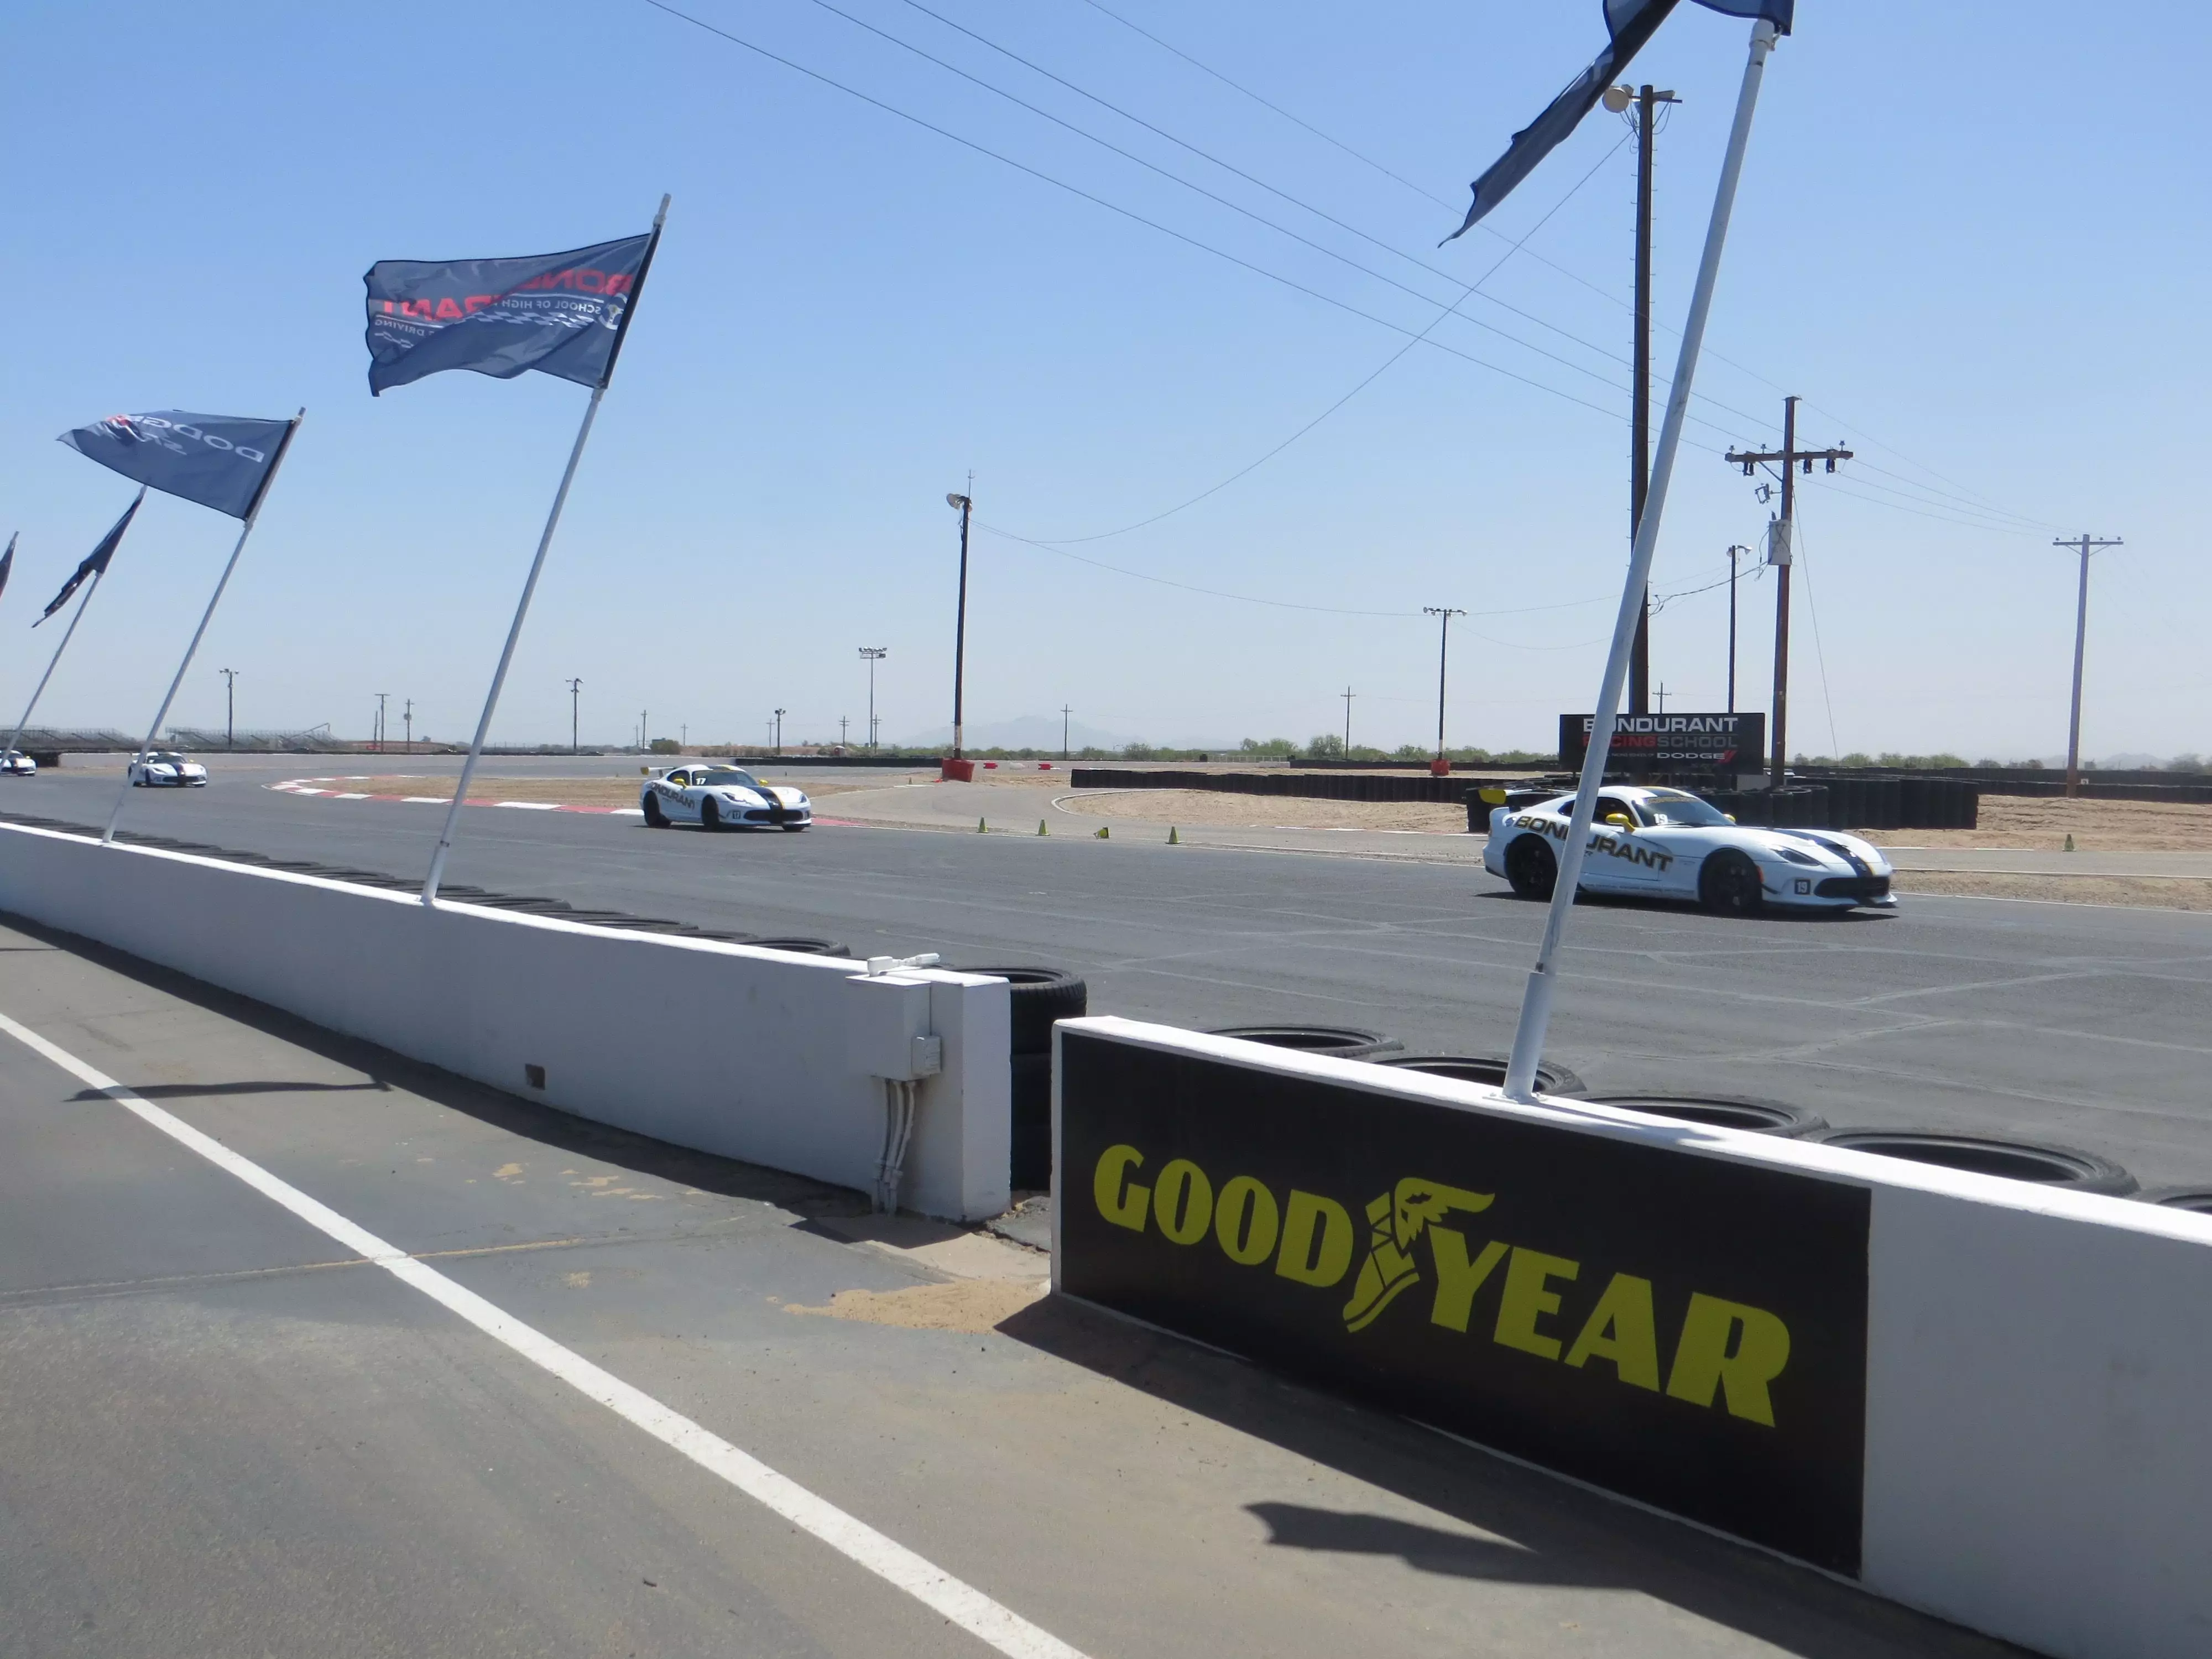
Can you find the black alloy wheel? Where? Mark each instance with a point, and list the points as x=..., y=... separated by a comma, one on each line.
x=654, y=818
x=1530, y=868
x=1729, y=884
x=710, y=814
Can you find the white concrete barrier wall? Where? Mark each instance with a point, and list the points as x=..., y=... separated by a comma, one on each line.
x=2039, y=1428
x=723, y=1048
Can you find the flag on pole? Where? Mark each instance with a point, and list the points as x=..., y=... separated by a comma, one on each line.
x=560, y=314
x=8, y=561
x=94, y=562
x=220, y=461
x=1629, y=24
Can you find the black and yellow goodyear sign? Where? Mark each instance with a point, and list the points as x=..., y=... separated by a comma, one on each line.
x=1679, y=1328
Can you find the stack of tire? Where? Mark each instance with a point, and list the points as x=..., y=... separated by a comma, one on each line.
x=1037, y=997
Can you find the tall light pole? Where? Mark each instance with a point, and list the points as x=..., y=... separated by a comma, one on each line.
x=967, y=507
x=642, y=722
x=575, y=688
x=873, y=654
x=1444, y=614
x=229, y=707
x=779, y=731
x=1347, y=722
x=381, y=697
x=1065, y=711
x=2084, y=545
x=407, y=719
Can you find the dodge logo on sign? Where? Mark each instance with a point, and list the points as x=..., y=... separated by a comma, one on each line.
x=1680, y=1328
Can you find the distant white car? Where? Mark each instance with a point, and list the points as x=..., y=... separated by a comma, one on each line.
x=165, y=768
x=723, y=798
x=17, y=764
x=1664, y=843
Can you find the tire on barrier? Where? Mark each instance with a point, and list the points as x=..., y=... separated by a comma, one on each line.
x=804, y=947
x=1036, y=997
x=1029, y=1165
x=1550, y=1079
x=1745, y=1112
x=2017, y=1160
x=2196, y=1199
x=1337, y=1041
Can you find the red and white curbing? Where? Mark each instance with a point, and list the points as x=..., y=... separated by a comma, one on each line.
x=322, y=786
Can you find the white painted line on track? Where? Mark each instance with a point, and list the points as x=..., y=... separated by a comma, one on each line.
x=958, y=1602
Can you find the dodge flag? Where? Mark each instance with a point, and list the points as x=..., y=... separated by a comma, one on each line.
x=1629, y=23
x=220, y=461
x=94, y=561
x=560, y=314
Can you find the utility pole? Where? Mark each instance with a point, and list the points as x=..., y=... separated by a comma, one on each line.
x=229, y=707
x=380, y=697
x=2084, y=545
x=1444, y=614
x=642, y=724
x=683, y=735
x=842, y=724
x=1347, y=722
x=1659, y=692
x=575, y=689
x=873, y=654
x=1065, y=711
x=1780, y=537
x=407, y=719
x=967, y=506
x=1732, y=553
x=1646, y=101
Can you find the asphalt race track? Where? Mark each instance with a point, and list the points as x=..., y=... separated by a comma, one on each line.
x=2075, y=1023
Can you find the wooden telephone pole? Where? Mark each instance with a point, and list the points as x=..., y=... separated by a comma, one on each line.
x=1647, y=102
x=1779, y=554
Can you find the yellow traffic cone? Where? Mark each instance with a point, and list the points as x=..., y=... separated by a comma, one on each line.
x=1173, y=839
x=979, y=827
x=1042, y=830
x=1100, y=832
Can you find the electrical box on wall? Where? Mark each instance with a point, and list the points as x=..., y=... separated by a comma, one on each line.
x=887, y=1032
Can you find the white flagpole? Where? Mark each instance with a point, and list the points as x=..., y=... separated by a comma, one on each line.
x=1543, y=981
x=252, y=515
x=68, y=634
x=507, y=655
x=529, y=586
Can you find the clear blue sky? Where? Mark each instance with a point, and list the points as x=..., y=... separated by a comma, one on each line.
x=1973, y=239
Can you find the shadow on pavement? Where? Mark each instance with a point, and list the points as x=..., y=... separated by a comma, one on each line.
x=1540, y=1530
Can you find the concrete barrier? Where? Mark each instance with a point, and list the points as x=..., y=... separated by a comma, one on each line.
x=729, y=1048
x=1974, y=1396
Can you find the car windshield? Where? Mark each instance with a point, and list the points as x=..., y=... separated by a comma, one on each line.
x=167, y=760
x=728, y=778
x=1683, y=812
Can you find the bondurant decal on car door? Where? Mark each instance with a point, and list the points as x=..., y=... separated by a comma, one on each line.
x=1681, y=1328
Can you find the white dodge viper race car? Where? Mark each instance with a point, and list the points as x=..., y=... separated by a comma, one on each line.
x=165, y=768
x=1664, y=843
x=723, y=798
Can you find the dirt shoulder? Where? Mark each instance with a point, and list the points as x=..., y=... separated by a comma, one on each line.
x=1224, y=810
x=2044, y=821
x=2139, y=892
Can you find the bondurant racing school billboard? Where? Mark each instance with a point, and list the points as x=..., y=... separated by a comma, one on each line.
x=1683, y=1329
x=1657, y=742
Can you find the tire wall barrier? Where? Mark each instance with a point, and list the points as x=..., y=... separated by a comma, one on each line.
x=1977, y=1397
x=726, y=1049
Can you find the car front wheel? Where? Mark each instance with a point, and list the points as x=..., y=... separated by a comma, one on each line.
x=1531, y=868
x=1729, y=884
x=710, y=814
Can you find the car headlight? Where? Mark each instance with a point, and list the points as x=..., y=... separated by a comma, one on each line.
x=1796, y=857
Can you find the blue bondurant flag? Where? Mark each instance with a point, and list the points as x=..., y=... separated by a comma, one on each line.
x=1629, y=23
x=94, y=561
x=560, y=314
x=220, y=461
